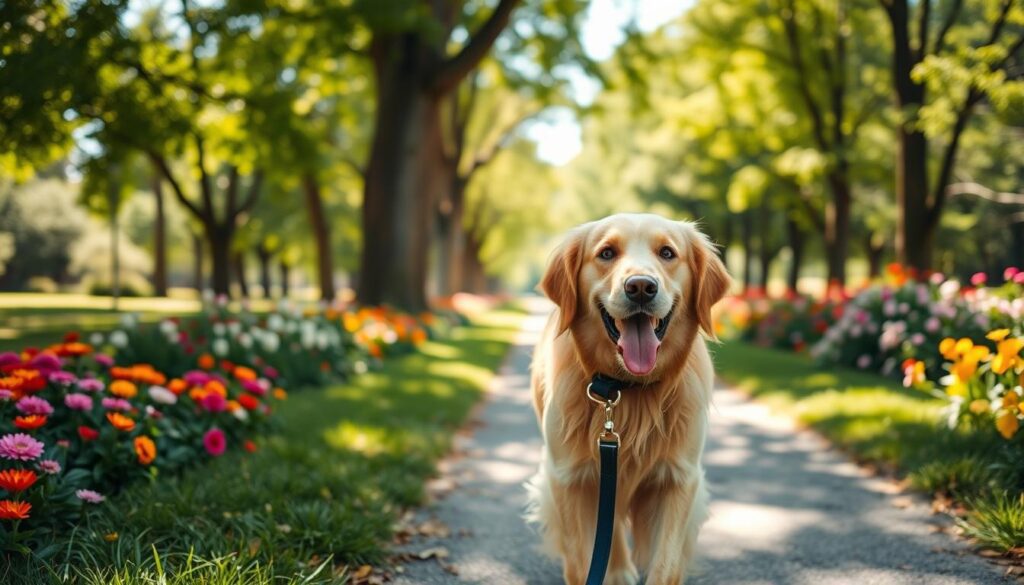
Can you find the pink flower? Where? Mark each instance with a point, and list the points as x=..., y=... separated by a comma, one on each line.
x=78, y=401
x=254, y=387
x=196, y=378
x=1010, y=272
x=49, y=466
x=63, y=378
x=270, y=372
x=20, y=447
x=214, y=402
x=9, y=358
x=91, y=385
x=34, y=405
x=979, y=279
x=103, y=359
x=932, y=325
x=6, y=394
x=215, y=442
x=1019, y=278
x=45, y=362
x=116, y=404
x=89, y=496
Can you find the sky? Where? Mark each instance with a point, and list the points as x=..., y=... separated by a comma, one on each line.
x=558, y=135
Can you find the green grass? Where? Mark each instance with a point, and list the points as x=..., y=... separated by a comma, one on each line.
x=901, y=430
x=327, y=487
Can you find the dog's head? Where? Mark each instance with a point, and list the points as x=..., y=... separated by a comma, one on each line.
x=634, y=289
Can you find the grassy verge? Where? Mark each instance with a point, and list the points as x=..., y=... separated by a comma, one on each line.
x=319, y=495
x=879, y=422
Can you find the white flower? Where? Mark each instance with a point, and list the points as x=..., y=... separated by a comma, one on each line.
x=207, y=295
x=323, y=341
x=219, y=330
x=245, y=340
x=162, y=395
x=96, y=339
x=270, y=341
x=359, y=367
x=129, y=320
x=119, y=339
x=234, y=327
x=889, y=308
x=220, y=346
x=948, y=289
x=168, y=328
x=240, y=414
x=275, y=322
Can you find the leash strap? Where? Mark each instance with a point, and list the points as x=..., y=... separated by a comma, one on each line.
x=605, y=512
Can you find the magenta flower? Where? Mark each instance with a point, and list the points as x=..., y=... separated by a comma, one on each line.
x=103, y=359
x=270, y=372
x=78, y=401
x=215, y=442
x=214, y=402
x=254, y=387
x=34, y=405
x=45, y=362
x=91, y=385
x=116, y=404
x=9, y=358
x=196, y=378
x=49, y=466
x=63, y=378
x=89, y=496
x=978, y=279
x=20, y=447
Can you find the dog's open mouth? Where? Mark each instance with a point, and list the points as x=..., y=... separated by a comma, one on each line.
x=637, y=338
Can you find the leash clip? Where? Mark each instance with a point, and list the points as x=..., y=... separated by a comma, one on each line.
x=608, y=434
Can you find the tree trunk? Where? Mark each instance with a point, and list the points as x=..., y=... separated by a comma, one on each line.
x=874, y=248
x=1017, y=247
x=405, y=166
x=473, y=273
x=197, y=263
x=746, y=235
x=264, y=258
x=321, y=235
x=837, y=228
x=453, y=239
x=114, y=204
x=285, y=277
x=219, y=239
x=159, y=239
x=238, y=260
x=797, y=239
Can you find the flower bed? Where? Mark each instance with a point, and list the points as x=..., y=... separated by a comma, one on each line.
x=795, y=322
x=75, y=427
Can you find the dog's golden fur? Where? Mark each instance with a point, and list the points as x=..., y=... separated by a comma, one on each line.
x=661, y=500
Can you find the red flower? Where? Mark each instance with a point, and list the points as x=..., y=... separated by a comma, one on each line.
x=88, y=434
x=14, y=510
x=30, y=422
x=71, y=337
x=248, y=402
x=249, y=446
x=17, y=480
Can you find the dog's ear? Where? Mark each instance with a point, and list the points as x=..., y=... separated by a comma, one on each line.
x=561, y=278
x=709, y=280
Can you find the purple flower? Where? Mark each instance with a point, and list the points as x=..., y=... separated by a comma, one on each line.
x=78, y=401
x=20, y=447
x=932, y=325
x=34, y=405
x=63, y=378
x=103, y=359
x=91, y=385
x=270, y=372
x=49, y=466
x=45, y=362
x=89, y=496
x=6, y=394
x=116, y=404
x=9, y=358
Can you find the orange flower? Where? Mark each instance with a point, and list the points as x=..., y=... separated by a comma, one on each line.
x=17, y=480
x=177, y=386
x=280, y=394
x=245, y=374
x=14, y=510
x=145, y=449
x=30, y=422
x=206, y=361
x=124, y=389
x=120, y=421
x=216, y=386
x=233, y=405
x=197, y=394
x=375, y=350
x=419, y=336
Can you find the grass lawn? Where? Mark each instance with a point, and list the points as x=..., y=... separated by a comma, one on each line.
x=878, y=421
x=323, y=492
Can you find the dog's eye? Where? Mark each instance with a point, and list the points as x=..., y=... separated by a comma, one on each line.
x=667, y=253
x=606, y=254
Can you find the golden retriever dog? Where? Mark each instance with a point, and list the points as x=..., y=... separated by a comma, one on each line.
x=633, y=293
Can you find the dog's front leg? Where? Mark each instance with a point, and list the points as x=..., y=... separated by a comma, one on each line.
x=679, y=508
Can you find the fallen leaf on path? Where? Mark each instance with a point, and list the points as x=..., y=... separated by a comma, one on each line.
x=438, y=552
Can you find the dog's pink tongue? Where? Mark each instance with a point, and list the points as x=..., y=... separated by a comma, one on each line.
x=639, y=345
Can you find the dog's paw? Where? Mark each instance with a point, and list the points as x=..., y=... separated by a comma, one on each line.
x=624, y=576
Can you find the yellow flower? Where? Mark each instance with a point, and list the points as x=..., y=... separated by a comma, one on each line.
x=998, y=334
x=946, y=348
x=963, y=345
x=1007, y=424
x=1010, y=400
x=1007, y=354
x=123, y=389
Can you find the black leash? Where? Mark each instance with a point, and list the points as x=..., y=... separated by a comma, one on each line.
x=607, y=392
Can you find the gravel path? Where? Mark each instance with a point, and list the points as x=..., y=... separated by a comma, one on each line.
x=786, y=509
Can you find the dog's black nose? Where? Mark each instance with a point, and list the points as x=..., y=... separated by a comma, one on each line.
x=641, y=289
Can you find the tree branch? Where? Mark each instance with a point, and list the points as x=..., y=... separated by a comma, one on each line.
x=165, y=170
x=254, y=192
x=456, y=68
x=983, y=192
x=204, y=177
x=922, y=28
x=949, y=157
x=951, y=16
x=232, y=190
x=484, y=157
x=788, y=16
